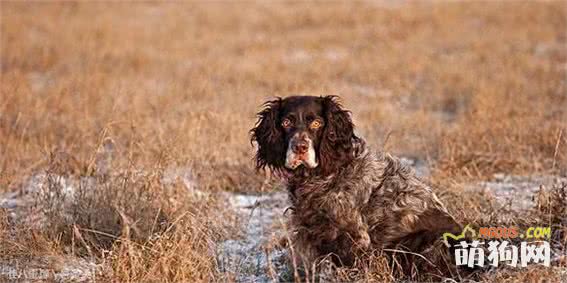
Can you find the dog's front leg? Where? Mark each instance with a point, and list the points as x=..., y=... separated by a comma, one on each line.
x=350, y=232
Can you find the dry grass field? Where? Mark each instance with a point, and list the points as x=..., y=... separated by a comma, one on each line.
x=144, y=110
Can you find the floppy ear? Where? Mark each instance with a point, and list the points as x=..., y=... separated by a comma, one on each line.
x=269, y=137
x=337, y=141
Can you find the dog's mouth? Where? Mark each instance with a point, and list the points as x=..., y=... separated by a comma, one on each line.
x=296, y=158
x=293, y=163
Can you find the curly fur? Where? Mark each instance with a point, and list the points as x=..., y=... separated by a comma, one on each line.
x=357, y=200
x=337, y=142
x=268, y=137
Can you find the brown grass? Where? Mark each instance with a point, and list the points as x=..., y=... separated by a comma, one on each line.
x=475, y=88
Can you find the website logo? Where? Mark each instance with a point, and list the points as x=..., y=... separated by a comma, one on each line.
x=494, y=246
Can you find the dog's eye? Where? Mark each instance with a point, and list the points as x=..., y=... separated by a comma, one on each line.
x=315, y=124
x=286, y=123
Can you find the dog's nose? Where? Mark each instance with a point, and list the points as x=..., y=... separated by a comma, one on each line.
x=300, y=147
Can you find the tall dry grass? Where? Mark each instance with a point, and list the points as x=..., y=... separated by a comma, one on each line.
x=474, y=88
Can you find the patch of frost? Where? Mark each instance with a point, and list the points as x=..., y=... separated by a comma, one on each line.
x=420, y=166
x=247, y=257
x=516, y=191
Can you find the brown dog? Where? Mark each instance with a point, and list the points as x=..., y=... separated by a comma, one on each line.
x=345, y=198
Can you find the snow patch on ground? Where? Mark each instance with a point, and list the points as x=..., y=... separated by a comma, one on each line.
x=42, y=192
x=516, y=191
x=249, y=258
x=419, y=166
x=26, y=205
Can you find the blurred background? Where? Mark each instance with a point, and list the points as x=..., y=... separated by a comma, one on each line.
x=470, y=89
x=478, y=86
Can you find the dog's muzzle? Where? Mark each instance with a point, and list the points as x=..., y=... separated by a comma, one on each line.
x=300, y=151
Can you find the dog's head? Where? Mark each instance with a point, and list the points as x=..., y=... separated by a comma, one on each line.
x=303, y=133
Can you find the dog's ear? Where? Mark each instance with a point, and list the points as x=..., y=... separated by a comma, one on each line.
x=337, y=140
x=269, y=137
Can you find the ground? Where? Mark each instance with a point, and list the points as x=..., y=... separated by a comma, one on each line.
x=124, y=144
